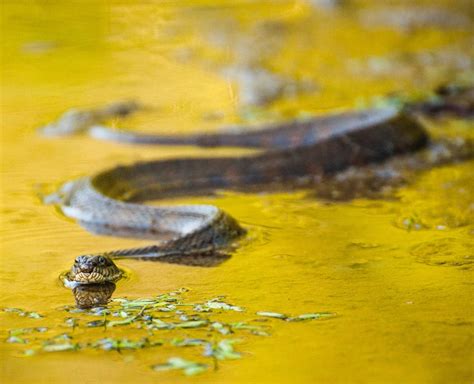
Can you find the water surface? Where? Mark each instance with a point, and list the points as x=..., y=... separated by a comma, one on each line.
x=402, y=295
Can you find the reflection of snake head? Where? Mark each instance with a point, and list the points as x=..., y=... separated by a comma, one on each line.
x=93, y=295
x=89, y=269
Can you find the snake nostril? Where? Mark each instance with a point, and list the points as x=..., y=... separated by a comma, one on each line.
x=87, y=268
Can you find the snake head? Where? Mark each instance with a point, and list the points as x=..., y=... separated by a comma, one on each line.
x=94, y=269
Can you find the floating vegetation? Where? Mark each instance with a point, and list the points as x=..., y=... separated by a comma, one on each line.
x=188, y=367
x=165, y=320
x=222, y=350
x=305, y=316
x=110, y=344
x=22, y=313
x=274, y=315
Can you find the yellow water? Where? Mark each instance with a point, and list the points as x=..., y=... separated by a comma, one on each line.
x=403, y=298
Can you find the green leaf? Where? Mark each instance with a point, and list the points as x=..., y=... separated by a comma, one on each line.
x=71, y=322
x=96, y=323
x=222, y=328
x=259, y=333
x=35, y=315
x=123, y=314
x=189, y=368
x=109, y=344
x=242, y=325
x=160, y=324
x=114, y=323
x=187, y=342
x=217, y=303
x=201, y=308
x=313, y=316
x=191, y=324
x=274, y=315
x=60, y=347
x=13, y=310
x=62, y=336
x=106, y=344
x=16, y=339
x=19, y=331
x=223, y=350
x=254, y=329
x=21, y=312
x=138, y=303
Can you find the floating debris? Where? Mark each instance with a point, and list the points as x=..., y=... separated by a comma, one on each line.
x=222, y=350
x=305, y=316
x=22, y=313
x=16, y=339
x=61, y=347
x=164, y=320
x=189, y=368
x=111, y=344
x=311, y=316
x=217, y=303
x=187, y=342
x=274, y=315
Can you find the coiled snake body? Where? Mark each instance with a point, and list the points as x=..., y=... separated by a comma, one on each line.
x=110, y=201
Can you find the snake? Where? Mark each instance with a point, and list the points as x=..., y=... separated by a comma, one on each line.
x=113, y=201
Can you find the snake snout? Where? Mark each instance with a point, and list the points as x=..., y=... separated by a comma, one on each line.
x=93, y=269
x=85, y=263
x=87, y=268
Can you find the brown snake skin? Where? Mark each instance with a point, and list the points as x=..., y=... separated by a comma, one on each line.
x=110, y=201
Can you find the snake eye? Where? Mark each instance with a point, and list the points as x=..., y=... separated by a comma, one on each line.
x=101, y=260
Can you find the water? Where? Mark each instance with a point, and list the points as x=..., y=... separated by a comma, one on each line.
x=403, y=297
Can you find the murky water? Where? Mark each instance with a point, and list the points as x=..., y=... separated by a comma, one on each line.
x=402, y=295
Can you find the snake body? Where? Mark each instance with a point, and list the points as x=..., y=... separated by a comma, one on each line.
x=110, y=202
